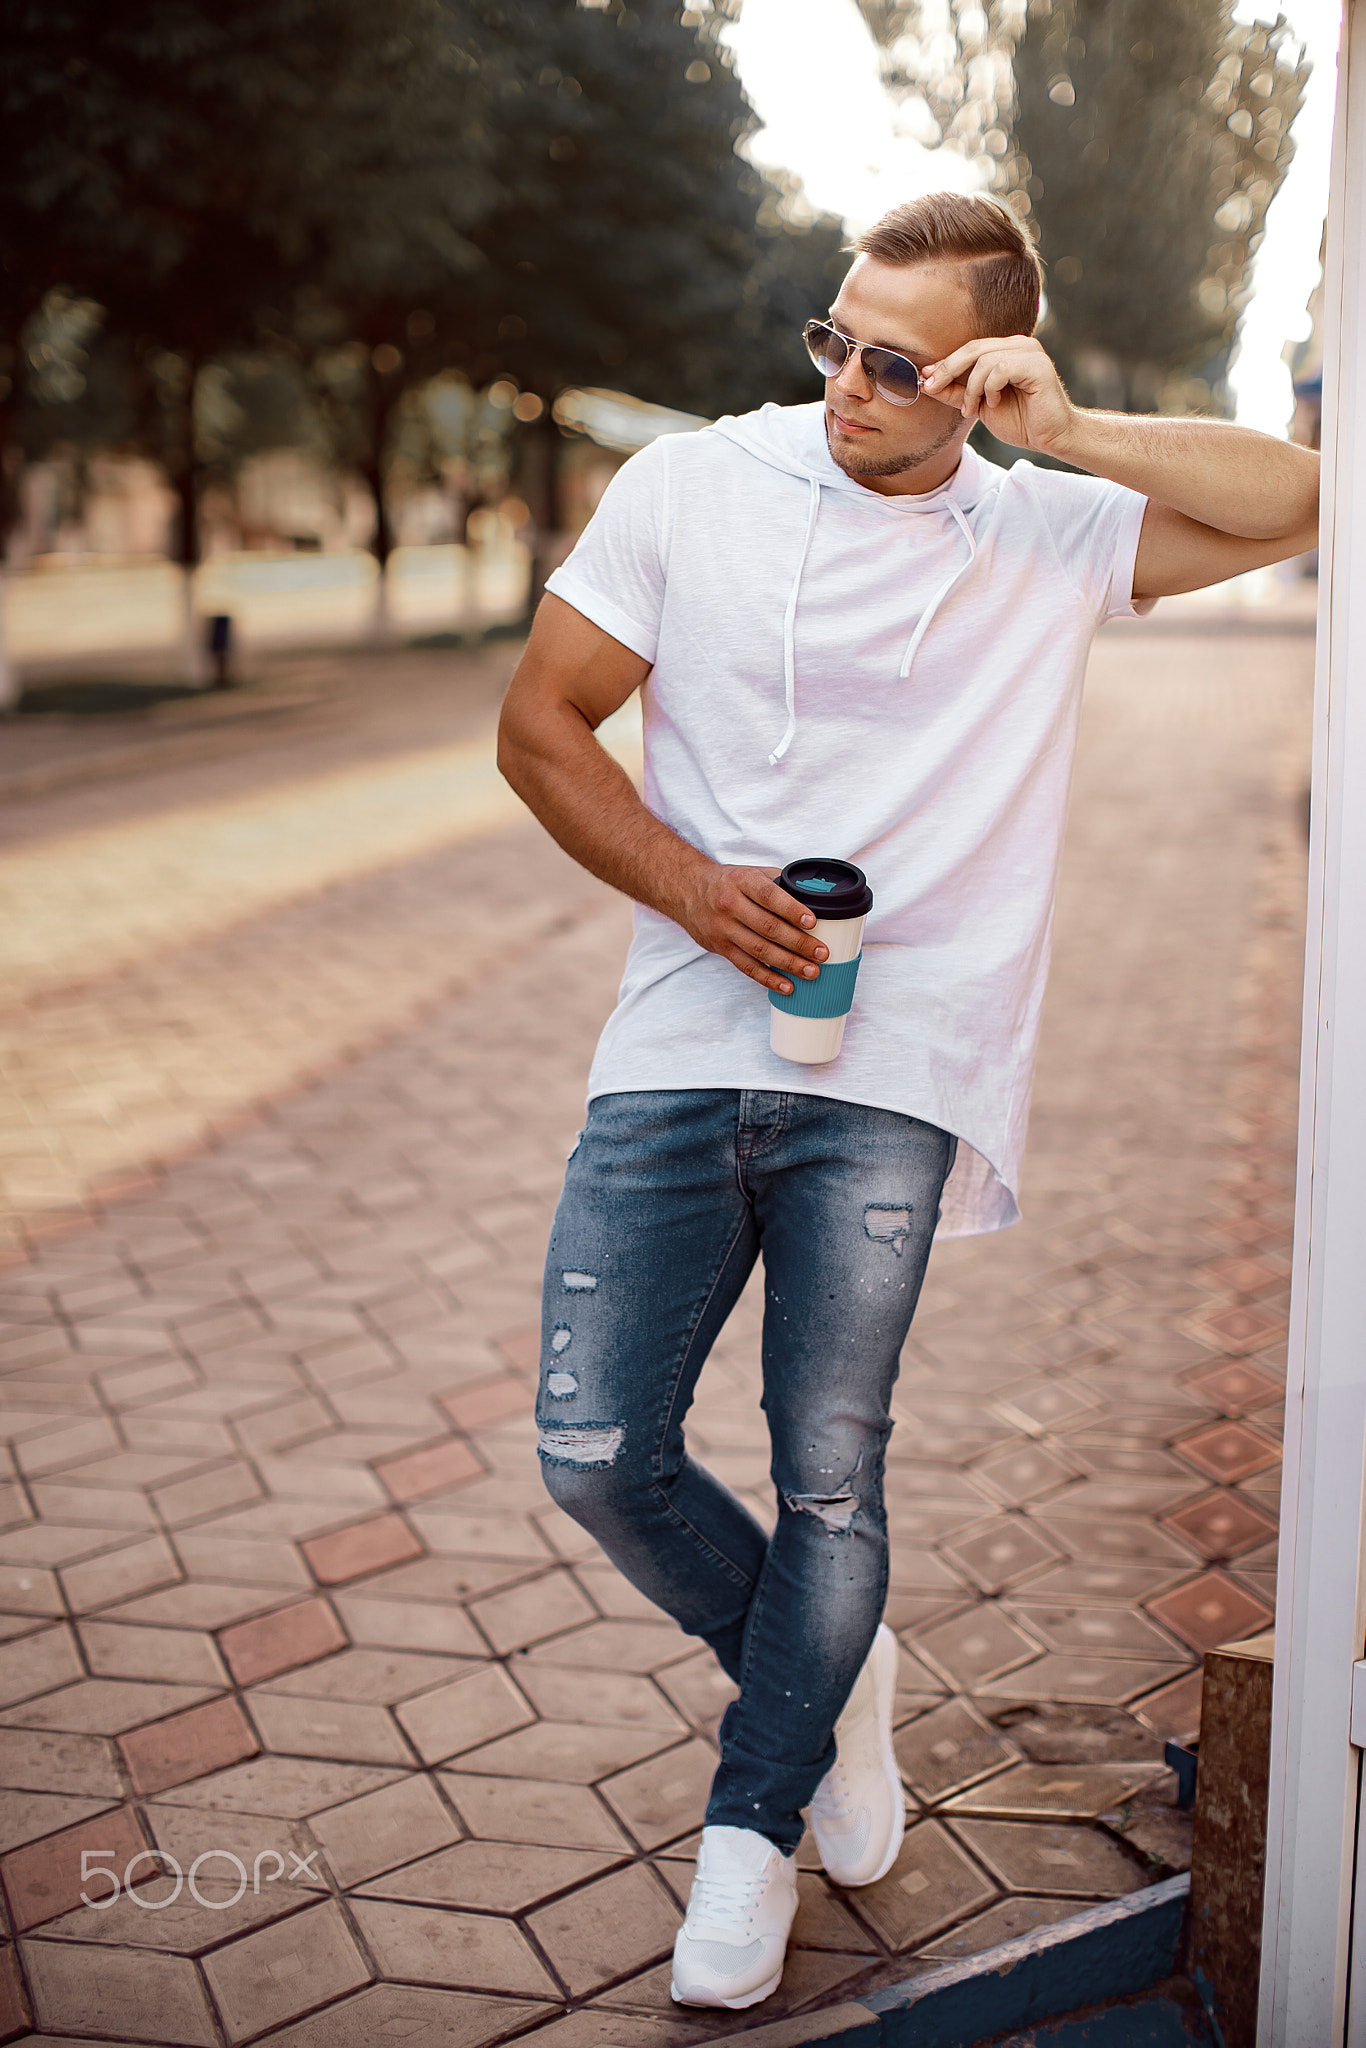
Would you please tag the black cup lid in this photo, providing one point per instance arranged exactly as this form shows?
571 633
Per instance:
834 889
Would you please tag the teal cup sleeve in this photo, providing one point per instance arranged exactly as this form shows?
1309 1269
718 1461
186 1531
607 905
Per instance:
830 995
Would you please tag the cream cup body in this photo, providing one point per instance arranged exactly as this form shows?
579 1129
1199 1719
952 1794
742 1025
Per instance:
813 1040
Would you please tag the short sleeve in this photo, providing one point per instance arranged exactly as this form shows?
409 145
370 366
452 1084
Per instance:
615 575
1095 526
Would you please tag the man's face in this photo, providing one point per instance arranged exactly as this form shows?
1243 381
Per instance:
922 310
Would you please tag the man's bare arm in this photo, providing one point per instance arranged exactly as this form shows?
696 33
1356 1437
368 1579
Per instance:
1221 499
572 676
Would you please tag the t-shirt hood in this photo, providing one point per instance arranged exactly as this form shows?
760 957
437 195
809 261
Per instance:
791 439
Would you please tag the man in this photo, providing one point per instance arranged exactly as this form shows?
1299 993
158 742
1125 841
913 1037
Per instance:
854 638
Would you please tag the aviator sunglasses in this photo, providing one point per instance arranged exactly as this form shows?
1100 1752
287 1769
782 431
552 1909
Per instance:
892 376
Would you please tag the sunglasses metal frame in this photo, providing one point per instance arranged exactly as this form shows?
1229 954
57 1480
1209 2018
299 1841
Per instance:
870 358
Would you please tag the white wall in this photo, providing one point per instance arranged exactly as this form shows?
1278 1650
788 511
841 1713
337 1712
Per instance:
1306 1966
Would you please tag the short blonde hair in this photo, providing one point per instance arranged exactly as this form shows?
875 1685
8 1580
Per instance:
1003 274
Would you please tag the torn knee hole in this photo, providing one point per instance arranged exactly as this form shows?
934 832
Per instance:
888 1223
560 1385
835 1510
587 1444
578 1283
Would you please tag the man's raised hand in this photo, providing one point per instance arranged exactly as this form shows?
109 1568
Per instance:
1011 383
741 914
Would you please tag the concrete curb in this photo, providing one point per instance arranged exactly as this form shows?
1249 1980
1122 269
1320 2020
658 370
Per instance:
1115 1951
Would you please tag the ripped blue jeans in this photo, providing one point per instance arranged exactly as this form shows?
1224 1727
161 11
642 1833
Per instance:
668 1200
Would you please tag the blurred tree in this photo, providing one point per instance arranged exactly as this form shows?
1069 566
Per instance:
634 240
544 191
629 244
1153 135
1146 139
635 245
947 65
188 165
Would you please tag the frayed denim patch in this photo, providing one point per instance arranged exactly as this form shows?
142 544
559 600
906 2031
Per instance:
590 1445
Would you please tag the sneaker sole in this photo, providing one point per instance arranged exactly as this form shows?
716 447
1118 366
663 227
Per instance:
884 1679
730 2004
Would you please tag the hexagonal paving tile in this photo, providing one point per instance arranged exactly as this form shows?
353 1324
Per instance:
491 1877
999 1554
948 1748
664 1798
1063 1791
931 1884
467 1951
607 1929
533 1810
1211 1610
418 2018
1080 1862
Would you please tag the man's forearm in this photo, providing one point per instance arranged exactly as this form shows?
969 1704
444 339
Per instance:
1229 478
588 803
1219 474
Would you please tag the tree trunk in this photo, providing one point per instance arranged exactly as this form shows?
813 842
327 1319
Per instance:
382 401
11 689
184 476
539 477
381 547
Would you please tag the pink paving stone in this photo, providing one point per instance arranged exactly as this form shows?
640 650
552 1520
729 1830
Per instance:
1174 1711
13 2005
1245 1327
490 1401
272 1643
1222 1524
1228 1451
187 1746
522 1346
430 1470
44 1878
1211 1610
363 1547
1234 1385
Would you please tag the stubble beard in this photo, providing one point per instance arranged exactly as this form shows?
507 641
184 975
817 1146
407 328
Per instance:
896 465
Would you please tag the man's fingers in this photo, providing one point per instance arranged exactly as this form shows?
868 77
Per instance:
765 976
773 952
762 930
773 935
773 916
784 907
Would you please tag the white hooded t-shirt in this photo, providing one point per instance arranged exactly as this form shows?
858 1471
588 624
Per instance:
893 681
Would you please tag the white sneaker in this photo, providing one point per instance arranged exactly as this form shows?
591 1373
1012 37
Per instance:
858 1815
731 1946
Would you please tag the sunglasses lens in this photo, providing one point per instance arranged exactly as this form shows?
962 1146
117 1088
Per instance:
894 377
825 348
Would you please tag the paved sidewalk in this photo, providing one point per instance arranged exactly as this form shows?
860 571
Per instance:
280 1581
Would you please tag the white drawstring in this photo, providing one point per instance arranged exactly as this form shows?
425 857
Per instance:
789 629
935 602
790 616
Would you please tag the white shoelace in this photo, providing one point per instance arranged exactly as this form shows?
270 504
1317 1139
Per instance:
727 1901
832 1795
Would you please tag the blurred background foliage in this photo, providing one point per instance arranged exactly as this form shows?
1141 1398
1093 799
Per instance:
321 223
1144 141
391 237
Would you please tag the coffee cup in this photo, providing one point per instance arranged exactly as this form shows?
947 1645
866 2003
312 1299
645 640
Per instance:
808 1025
